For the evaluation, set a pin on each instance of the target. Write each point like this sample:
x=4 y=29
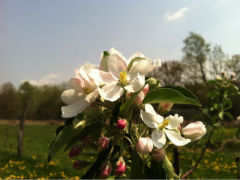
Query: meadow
x=216 y=164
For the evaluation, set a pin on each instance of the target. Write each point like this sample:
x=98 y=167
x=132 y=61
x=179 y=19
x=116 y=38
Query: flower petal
x=101 y=77
x=70 y=96
x=149 y=119
x=136 y=83
x=135 y=55
x=174 y=121
x=111 y=92
x=116 y=63
x=158 y=138
x=149 y=108
x=142 y=66
x=77 y=84
x=92 y=96
x=175 y=137
x=83 y=73
x=75 y=108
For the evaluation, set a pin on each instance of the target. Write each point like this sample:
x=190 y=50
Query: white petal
x=70 y=96
x=175 y=137
x=116 y=63
x=174 y=121
x=92 y=96
x=111 y=92
x=142 y=66
x=84 y=74
x=157 y=63
x=149 y=108
x=74 y=109
x=158 y=138
x=149 y=119
x=104 y=62
x=136 y=83
x=77 y=84
x=101 y=77
x=137 y=54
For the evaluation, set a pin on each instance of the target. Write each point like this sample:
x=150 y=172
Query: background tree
x=170 y=73
x=217 y=60
x=196 y=51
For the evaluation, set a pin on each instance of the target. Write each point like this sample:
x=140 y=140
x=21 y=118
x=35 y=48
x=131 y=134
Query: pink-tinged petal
x=70 y=96
x=116 y=63
x=75 y=108
x=101 y=77
x=174 y=121
x=111 y=92
x=175 y=137
x=77 y=84
x=158 y=138
x=149 y=119
x=136 y=83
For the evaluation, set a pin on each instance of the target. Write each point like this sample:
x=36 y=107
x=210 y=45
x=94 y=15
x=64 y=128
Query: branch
x=190 y=171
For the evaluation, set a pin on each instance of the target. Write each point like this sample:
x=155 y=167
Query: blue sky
x=44 y=41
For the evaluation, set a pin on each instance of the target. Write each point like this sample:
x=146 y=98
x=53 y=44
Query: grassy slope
x=37 y=139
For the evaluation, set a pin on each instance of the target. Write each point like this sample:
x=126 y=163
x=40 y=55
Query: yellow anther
x=164 y=124
x=123 y=77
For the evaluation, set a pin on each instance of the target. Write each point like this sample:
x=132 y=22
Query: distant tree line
x=35 y=102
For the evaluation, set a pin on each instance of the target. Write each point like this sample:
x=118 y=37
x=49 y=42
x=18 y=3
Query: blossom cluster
x=117 y=79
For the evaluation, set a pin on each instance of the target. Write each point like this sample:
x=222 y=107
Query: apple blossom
x=75 y=151
x=162 y=127
x=144 y=145
x=194 y=131
x=106 y=170
x=82 y=93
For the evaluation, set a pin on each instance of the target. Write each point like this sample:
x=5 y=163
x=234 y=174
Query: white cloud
x=48 y=79
x=176 y=15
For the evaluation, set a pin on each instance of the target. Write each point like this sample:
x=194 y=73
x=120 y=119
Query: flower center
x=123 y=77
x=164 y=124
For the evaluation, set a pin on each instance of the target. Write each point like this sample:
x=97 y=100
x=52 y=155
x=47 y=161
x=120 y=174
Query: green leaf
x=63 y=135
x=170 y=95
x=185 y=92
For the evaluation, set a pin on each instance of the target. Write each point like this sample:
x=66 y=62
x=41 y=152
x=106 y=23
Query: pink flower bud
x=121 y=124
x=139 y=98
x=194 y=131
x=144 y=145
x=121 y=167
x=74 y=151
x=106 y=170
x=166 y=106
x=79 y=164
x=145 y=89
x=158 y=154
x=233 y=75
x=103 y=143
x=234 y=79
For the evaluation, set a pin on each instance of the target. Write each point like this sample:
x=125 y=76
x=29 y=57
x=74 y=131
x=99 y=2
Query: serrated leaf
x=169 y=95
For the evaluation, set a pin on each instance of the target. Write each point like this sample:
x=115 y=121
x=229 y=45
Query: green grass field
x=215 y=165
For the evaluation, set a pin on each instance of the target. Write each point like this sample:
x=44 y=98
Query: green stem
x=167 y=165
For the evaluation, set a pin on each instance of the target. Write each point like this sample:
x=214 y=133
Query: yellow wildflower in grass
x=34 y=157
